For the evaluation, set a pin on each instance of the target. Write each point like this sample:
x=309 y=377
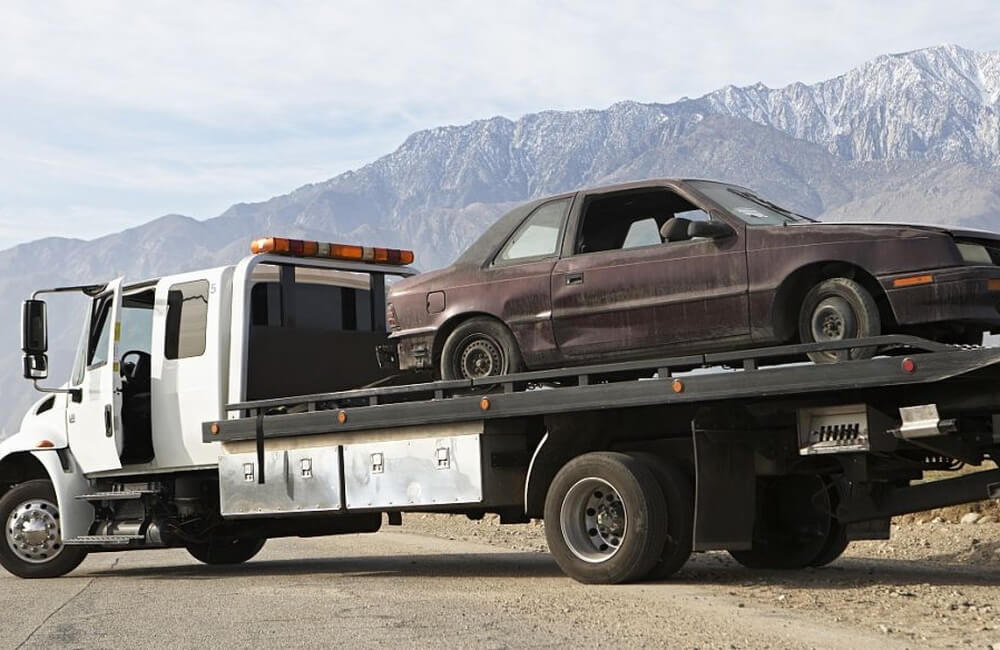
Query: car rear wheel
x=480 y=347
x=838 y=309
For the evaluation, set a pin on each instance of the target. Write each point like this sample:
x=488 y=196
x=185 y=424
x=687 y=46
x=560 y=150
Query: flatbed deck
x=742 y=375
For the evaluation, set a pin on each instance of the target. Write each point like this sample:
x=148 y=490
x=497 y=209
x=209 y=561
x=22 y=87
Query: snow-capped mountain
x=911 y=136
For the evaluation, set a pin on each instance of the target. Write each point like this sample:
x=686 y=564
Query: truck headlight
x=974 y=254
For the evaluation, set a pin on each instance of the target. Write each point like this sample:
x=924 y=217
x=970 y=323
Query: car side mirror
x=709 y=229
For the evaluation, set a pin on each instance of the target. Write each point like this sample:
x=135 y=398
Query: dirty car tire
x=226 y=551
x=605 y=518
x=837 y=309
x=480 y=347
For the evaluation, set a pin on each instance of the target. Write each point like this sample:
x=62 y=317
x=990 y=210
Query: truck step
x=116 y=495
x=103 y=540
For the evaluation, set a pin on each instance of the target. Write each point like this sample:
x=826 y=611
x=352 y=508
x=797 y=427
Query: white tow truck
x=216 y=409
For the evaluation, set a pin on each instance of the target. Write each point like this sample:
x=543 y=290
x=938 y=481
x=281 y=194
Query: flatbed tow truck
x=217 y=409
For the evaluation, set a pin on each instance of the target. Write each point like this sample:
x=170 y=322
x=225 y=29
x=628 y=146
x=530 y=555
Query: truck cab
x=157 y=358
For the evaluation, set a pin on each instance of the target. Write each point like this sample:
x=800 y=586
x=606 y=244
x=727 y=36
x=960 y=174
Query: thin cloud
x=165 y=99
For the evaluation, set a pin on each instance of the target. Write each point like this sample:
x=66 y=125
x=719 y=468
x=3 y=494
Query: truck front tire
x=32 y=545
x=606 y=518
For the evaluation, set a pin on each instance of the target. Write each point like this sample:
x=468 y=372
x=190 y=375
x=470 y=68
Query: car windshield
x=747 y=206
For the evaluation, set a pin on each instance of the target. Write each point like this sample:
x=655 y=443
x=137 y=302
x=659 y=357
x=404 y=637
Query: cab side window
x=100 y=332
x=538 y=236
x=187 y=320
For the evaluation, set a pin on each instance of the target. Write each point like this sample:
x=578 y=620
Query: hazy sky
x=114 y=113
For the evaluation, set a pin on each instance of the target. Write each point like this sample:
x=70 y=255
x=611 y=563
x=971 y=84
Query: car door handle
x=574 y=278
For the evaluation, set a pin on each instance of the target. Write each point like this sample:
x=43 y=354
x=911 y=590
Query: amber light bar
x=302 y=248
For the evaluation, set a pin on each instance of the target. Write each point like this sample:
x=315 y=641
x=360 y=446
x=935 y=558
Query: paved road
x=390 y=588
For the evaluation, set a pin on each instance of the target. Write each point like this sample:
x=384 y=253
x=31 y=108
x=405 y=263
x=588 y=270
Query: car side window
x=537 y=236
x=635 y=219
x=644 y=232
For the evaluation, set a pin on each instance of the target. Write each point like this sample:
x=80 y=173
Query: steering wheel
x=135 y=371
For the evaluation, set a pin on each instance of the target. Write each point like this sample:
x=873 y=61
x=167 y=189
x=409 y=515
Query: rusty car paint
x=680 y=297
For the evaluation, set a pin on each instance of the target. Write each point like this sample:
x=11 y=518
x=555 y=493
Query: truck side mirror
x=710 y=229
x=36 y=366
x=34 y=328
x=34 y=339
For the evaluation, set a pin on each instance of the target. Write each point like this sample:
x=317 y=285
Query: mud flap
x=725 y=490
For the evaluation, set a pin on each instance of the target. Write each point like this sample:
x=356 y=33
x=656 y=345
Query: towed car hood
x=969 y=233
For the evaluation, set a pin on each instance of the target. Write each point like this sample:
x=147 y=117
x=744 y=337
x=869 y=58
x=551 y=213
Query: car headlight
x=974 y=254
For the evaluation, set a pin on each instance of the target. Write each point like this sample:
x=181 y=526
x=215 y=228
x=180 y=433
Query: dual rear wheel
x=615 y=517
x=623 y=517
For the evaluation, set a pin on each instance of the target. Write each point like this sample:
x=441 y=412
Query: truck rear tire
x=226 y=551
x=795 y=527
x=678 y=491
x=32 y=546
x=606 y=518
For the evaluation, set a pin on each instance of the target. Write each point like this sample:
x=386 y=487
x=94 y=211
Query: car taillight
x=390 y=317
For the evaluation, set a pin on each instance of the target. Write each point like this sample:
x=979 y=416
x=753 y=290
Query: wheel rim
x=833 y=319
x=32 y=531
x=593 y=520
x=481 y=357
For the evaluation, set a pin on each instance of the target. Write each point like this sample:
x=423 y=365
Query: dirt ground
x=934 y=583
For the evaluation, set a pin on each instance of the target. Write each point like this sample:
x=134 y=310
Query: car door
x=646 y=294
x=94 y=423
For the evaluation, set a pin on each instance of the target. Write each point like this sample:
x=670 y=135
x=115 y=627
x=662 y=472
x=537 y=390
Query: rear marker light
x=993 y=285
x=678 y=386
x=342 y=417
x=909 y=365
x=484 y=404
x=302 y=248
x=214 y=429
x=913 y=280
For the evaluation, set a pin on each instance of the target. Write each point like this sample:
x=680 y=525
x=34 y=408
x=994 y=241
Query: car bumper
x=412 y=352
x=966 y=294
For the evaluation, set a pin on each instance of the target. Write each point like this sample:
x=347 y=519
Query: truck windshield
x=747 y=206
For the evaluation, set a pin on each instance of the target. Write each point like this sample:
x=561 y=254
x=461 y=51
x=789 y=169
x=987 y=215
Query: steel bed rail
x=738 y=375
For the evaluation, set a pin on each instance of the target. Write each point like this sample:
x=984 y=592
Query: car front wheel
x=838 y=309
x=480 y=347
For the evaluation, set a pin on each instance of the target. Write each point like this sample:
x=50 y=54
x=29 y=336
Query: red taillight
x=390 y=317
x=909 y=365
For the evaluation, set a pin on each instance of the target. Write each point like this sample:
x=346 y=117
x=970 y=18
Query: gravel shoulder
x=931 y=585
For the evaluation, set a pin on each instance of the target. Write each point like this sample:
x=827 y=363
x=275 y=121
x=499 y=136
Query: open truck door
x=94 y=423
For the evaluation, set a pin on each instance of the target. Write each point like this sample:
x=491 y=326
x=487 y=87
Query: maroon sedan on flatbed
x=667 y=267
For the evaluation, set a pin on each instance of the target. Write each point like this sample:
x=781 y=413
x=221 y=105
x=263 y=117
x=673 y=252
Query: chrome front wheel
x=32 y=546
x=32 y=531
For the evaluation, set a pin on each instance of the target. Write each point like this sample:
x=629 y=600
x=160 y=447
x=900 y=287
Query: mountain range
x=912 y=137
